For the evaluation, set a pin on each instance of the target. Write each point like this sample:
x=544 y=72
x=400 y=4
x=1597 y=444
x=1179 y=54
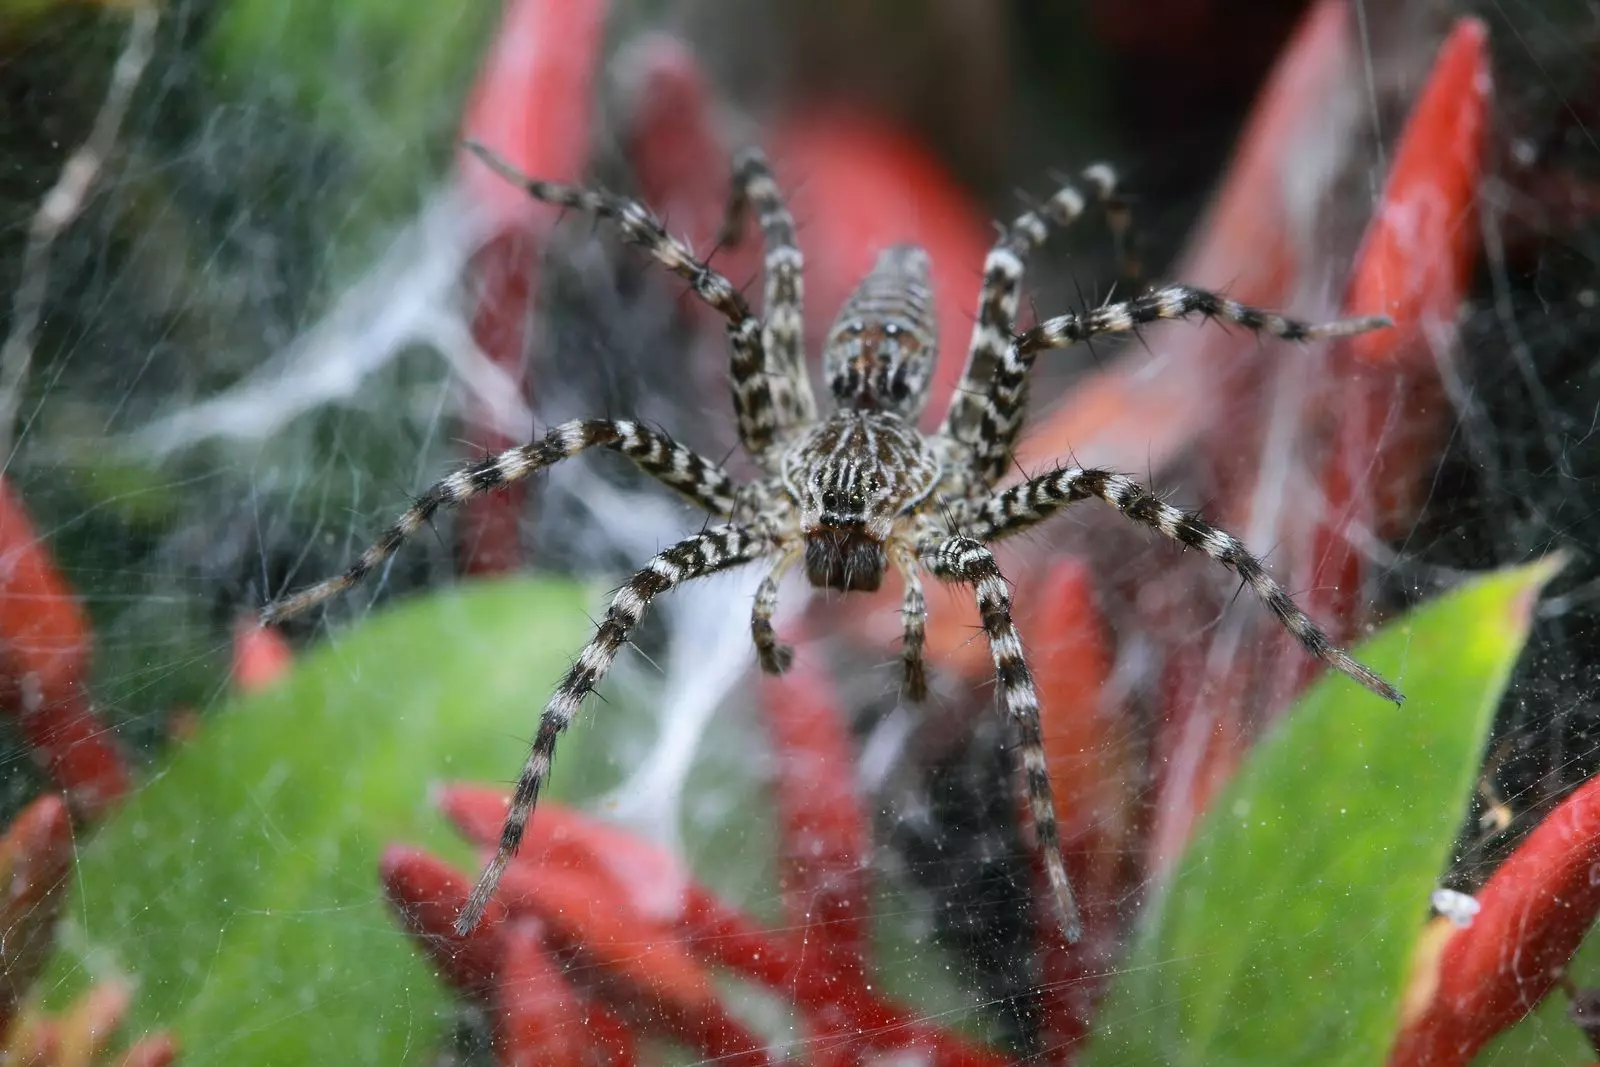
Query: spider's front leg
x=773 y=655
x=914 y=616
x=717 y=549
x=783 y=333
x=964 y=560
x=1035 y=500
x=703 y=482
x=969 y=417
x=1006 y=393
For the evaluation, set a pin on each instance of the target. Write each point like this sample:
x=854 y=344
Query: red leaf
x=633 y=964
x=44 y=652
x=1089 y=750
x=676 y=150
x=157 y=1050
x=645 y=875
x=261 y=656
x=1532 y=915
x=1391 y=413
x=427 y=895
x=823 y=839
x=538 y=1016
x=532 y=105
x=35 y=860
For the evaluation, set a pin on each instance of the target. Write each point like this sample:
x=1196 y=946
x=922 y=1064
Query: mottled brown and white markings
x=852 y=492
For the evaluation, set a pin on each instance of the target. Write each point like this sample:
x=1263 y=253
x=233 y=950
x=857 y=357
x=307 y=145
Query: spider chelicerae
x=849 y=494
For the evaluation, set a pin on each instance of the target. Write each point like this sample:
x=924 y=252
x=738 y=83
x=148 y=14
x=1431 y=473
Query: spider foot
x=916 y=680
x=776 y=657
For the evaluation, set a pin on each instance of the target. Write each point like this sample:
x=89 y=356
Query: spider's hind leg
x=1031 y=502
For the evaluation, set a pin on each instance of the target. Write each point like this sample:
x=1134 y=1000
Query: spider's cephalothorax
x=856 y=474
x=863 y=488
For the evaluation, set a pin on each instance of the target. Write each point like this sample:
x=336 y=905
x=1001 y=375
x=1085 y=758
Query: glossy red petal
x=35 y=861
x=1420 y=252
x=427 y=894
x=533 y=105
x=1532 y=915
x=44 y=654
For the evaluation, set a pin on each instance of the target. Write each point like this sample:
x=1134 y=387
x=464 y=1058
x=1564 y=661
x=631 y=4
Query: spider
x=849 y=494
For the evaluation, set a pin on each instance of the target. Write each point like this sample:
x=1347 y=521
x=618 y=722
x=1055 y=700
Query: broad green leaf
x=1285 y=934
x=239 y=889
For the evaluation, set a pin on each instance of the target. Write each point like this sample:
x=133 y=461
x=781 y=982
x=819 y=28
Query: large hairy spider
x=861 y=489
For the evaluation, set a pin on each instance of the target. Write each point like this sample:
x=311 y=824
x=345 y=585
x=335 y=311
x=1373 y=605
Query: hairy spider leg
x=968 y=421
x=717 y=549
x=914 y=620
x=963 y=560
x=704 y=483
x=783 y=309
x=773 y=655
x=1007 y=395
x=752 y=386
x=1026 y=503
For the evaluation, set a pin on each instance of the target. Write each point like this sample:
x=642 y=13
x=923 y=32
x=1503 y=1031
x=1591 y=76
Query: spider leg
x=1007 y=393
x=774 y=656
x=703 y=482
x=717 y=549
x=752 y=388
x=1022 y=505
x=914 y=614
x=783 y=334
x=967 y=417
x=965 y=561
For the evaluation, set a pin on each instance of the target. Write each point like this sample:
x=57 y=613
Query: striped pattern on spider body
x=861 y=489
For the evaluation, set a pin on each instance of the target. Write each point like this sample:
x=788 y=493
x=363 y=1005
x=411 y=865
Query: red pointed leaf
x=1532 y=915
x=427 y=895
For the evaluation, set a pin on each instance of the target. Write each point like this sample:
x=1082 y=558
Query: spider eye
x=830 y=500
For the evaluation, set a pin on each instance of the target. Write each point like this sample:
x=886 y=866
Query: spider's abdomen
x=851 y=478
x=881 y=350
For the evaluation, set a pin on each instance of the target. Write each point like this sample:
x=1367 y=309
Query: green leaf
x=1285 y=934
x=239 y=890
